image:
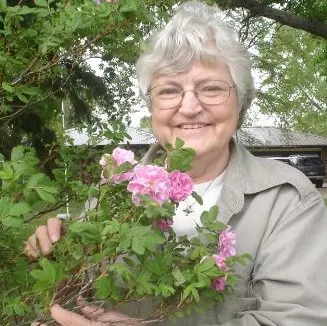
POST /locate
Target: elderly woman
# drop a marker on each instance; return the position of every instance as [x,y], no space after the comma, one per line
[196,79]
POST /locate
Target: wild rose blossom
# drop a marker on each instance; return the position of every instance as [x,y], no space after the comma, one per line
[219,284]
[118,178]
[152,181]
[121,156]
[164,225]
[181,186]
[221,263]
[108,163]
[227,243]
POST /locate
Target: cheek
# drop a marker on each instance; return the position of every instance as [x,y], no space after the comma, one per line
[158,125]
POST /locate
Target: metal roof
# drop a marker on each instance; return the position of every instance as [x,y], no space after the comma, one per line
[138,137]
[277,137]
[248,136]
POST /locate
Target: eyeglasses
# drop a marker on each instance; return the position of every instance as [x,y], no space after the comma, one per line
[210,92]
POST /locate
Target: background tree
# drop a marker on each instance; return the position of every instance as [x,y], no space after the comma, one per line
[46,49]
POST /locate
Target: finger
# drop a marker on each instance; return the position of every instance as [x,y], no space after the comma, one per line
[45,243]
[90,311]
[54,229]
[31,249]
[99,314]
[68,318]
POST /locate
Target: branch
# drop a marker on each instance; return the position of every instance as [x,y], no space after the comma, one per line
[285,18]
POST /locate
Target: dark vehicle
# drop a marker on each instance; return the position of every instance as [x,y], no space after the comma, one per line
[310,164]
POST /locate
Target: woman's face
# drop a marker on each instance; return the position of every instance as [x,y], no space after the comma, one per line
[205,128]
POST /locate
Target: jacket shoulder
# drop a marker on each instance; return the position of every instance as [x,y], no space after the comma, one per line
[263,173]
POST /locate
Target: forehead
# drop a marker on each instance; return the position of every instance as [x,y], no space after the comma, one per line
[197,72]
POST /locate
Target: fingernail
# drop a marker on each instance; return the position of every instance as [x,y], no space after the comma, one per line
[54,237]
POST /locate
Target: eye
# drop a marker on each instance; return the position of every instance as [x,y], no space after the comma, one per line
[213,88]
[166,91]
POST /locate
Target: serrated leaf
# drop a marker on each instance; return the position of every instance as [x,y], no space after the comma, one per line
[3,4]
[179,143]
[46,196]
[126,6]
[49,269]
[12,222]
[178,276]
[103,287]
[41,3]
[19,209]
[153,267]
[138,246]
[213,213]
[5,206]
[205,265]
[86,230]
[17,153]
[7,87]
[39,275]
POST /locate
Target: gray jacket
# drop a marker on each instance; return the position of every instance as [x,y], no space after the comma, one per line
[280,219]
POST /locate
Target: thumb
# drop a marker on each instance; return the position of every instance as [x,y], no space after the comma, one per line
[68,318]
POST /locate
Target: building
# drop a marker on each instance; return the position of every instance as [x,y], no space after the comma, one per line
[261,141]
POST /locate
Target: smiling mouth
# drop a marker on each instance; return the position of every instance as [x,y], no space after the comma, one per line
[193,126]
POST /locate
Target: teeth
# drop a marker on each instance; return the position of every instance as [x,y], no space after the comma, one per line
[195,126]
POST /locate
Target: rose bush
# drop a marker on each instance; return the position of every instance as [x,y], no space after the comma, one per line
[125,249]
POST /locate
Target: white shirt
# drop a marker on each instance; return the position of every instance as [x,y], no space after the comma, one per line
[185,223]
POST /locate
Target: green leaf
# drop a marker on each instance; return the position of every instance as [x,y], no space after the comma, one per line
[179,143]
[7,87]
[17,153]
[5,206]
[178,276]
[49,269]
[3,4]
[213,213]
[209,217]
[12,222]
[138,246]
[41,3]
[7,171]
[205,265]
[197,198]
[153,267]
[126,6]
[103,287]
[22,97]
[19,209]
[86,230]
[46,196]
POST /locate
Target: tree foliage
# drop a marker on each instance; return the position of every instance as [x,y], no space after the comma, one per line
[46,48]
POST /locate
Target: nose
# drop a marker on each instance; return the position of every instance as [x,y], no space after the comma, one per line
[190,104]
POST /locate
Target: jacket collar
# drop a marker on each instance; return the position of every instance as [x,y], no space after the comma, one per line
[247,174]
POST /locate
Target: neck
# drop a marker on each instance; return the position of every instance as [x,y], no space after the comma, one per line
[208,167]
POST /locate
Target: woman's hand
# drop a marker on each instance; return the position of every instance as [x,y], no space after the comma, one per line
[92,316]
[43,239]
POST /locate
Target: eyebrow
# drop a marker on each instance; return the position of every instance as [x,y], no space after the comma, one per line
[174,83]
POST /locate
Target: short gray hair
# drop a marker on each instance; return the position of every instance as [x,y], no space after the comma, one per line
[185,39]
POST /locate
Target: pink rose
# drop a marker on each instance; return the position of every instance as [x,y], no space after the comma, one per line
[118,178]
[121,156]
[227,243]
[181,186]
[219,284]
[152,181]
[164,225]
[220,262]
